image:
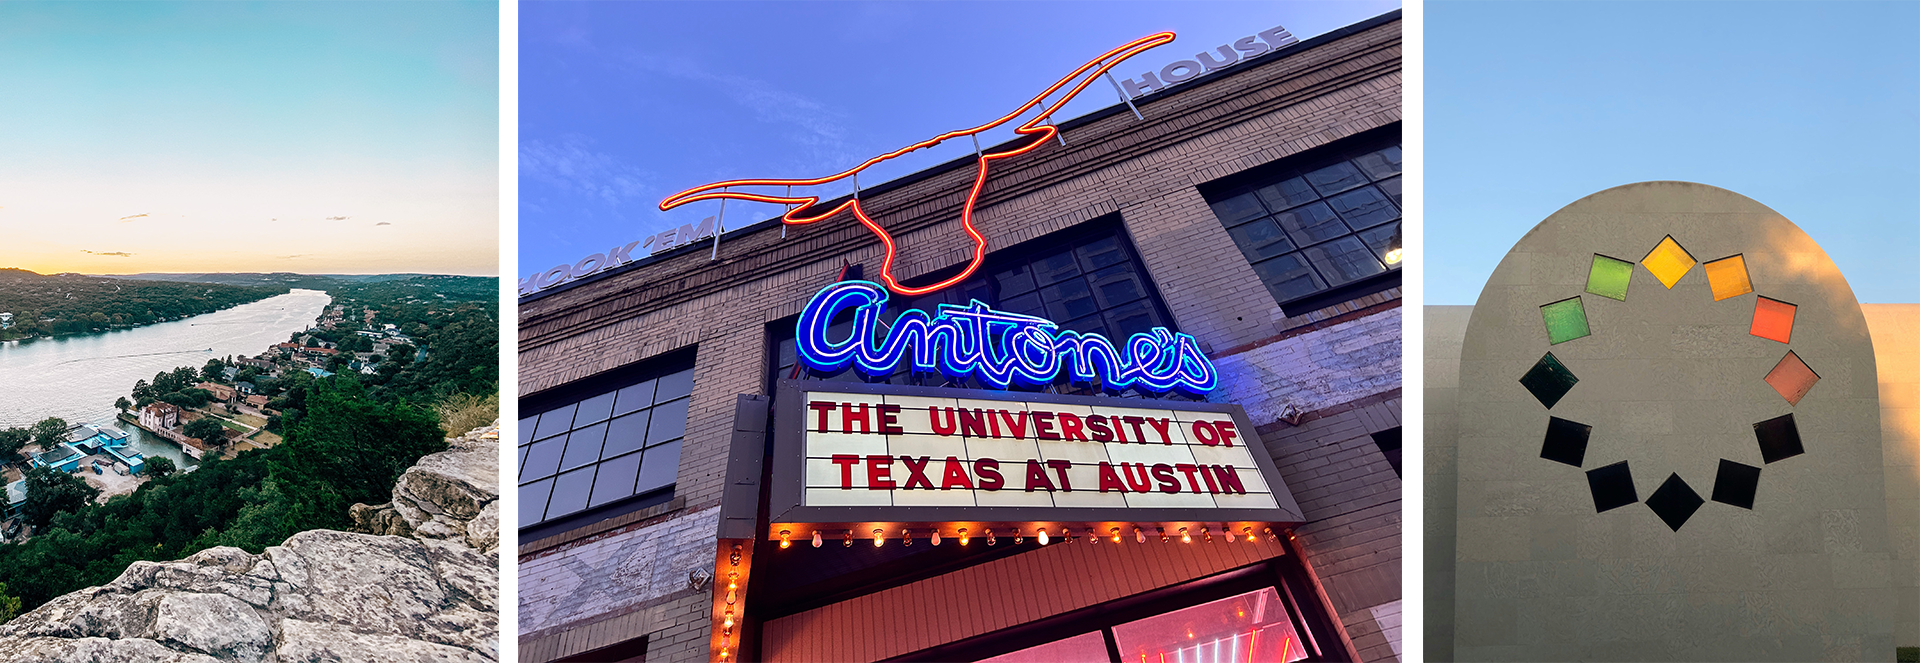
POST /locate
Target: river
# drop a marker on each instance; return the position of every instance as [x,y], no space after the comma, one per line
[78,377]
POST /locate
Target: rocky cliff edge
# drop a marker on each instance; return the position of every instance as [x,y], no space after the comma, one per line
[420,582]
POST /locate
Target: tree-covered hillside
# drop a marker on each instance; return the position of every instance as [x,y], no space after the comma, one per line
[75,303]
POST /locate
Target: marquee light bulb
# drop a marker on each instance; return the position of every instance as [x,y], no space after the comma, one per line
[1184,536]
[1208,533]
[1043,536]
[1227,531]
[848,542]
[1248,532]
[879,537]
[1139,536]
[936,538]
[1163,534]
[1116,534]
[1270,536]
[1018,537]
[1093,535]
[784,543]
[729,621]
[906,537]
[733,581]
[816,538]
[963,536]
[990,538]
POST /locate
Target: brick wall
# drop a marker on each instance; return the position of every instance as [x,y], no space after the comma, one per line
[1147,171]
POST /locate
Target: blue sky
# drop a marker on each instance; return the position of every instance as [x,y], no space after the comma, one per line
[1811,109]
[228,136]
[624,104]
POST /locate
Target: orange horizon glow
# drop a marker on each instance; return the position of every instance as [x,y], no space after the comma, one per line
[1040,134]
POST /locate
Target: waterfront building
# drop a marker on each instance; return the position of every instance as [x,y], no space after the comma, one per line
[1668,431]
[220,392]
[159,416]
[709,472]
[63,457]
[16,498]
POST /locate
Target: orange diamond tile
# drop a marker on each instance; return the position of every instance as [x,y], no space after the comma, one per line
[1773,319]
[1728,276]
[1792,378]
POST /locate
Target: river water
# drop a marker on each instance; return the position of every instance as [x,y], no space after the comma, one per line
[78,377]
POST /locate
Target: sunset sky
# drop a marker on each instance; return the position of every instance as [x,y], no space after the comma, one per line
[229,137]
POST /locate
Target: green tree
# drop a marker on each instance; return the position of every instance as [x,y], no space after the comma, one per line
[207,430]
[11,440]
[212,370]
[49,432]
[9,605]
[122,403]
[50,492]
[160,467]
[352,448]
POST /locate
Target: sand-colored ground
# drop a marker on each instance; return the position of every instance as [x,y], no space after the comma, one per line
[109,482]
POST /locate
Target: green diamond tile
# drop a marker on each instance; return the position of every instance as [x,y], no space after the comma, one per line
[1609,276]
[1548,380]
[1566,320]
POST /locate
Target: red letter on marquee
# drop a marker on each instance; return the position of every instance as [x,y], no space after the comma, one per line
[846,463]
[1160,426]
[917,472]
[1229,477]
[877,469]
[822,407]
[1109,481]
[1205,433]
[890,419]
[1036,477]
[848,415]
[1060,468]
[955,475]
[989,471]
[1070,427]
[1226,432]
[947,426]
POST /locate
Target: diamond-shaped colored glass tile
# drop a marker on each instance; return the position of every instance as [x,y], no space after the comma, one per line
[1566,441]
[1548,380]
[1674,501]
[1736,484]
[1566,320]
[1668,262]
[1792,378]
[1609,277]
[1728,276]
[1612,487]
[1773,319]
[1779,438]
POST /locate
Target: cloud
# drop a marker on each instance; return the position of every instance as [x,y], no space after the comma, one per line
[572,167]
[338,218]
[383,223]
[125,219]
[297,255]
[116,254]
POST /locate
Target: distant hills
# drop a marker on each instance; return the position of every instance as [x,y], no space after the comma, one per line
[453,288]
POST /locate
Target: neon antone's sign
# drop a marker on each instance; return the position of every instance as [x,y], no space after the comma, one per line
[1040,128]
[998,347]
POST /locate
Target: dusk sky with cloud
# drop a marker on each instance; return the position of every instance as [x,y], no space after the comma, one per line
[200,137]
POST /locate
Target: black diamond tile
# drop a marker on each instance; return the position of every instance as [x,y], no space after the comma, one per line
[1675,502]
[1566,441]
[1612,487]
[1779,438]
[1736,483]
[1548,380]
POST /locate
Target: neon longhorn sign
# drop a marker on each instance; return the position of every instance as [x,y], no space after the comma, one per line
[803,214]
[999,348]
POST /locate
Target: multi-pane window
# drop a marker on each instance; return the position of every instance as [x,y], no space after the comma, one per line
[602,449]
[1086,281]
[1319,224]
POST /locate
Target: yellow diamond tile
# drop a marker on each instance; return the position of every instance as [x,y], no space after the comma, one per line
[1668,262]
[1728,276]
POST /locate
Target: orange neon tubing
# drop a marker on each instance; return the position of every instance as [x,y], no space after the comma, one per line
[1091,70]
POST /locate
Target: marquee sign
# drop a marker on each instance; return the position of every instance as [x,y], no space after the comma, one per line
[1181,71]
[854,458]
[998,347]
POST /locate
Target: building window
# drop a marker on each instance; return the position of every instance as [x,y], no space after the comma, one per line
[1320,222]
[1087,279]
[604,449]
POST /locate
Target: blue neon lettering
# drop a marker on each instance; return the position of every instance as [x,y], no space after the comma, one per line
[999,348]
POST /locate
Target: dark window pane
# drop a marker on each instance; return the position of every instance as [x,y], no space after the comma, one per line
[1344,261]
[1289,277]
[594,410]
[1015,280]
[1130,319]
[543,458]
[681,384]
[1117,285]
[555,422]
[533,501]
[1092,324]
[1237,208]
[1055,268]
[526,429]
[669,421]
[1311,224]
[583,446]
[1364,207]
[626,434]
[1381,164]
[1260,239]
[1101,253]
[659,467]
[1392,187]
[1286,194]
[570,492]
[1336,178]
[1028,304]
[1068,300]
[1378,238]
[615,480]
[640,396]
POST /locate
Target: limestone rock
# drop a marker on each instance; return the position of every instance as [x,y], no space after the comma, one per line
[321,595]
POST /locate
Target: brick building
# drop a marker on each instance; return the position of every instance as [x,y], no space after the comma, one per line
[1252,207]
